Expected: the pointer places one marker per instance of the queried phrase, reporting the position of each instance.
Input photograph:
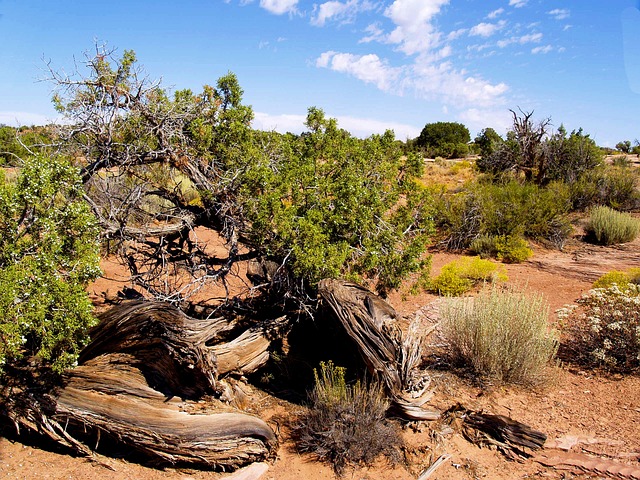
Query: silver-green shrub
(503, 334)
(610, 227)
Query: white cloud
(477, 119)
(445, 83)
(375, 33)
(456, 34)
(559, 13)
(280, 123)
(518, 3)
(16, 119)
(486, 29)
(414, 32)
(360, 127)
(364, 127)
(495, 13)
(529, 38)
(543, 50)
(428, 77)
(566, 27)
(368, 68)
(334, 10)
(279, 7)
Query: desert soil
(591, 419)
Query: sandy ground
(584, 412)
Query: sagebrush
(609, 227)
(502, 333)
(506, 248)
(461, 275)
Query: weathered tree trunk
(392, 357)
(135, 380)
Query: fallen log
(146, 363)
(388, 354)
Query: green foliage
(16, 143)
(621, 161)
(346, 424)
(446, 139)
(616, 187)
(610, 227)
(605, 332)
(624, 146)
(488, 141)
(616, 277)
(567, 159)
(49, 251)
(502, 335)
(331, 205)
(321, 204)
(510, 210)
(506, 248)
(460, 276)
(531, 152)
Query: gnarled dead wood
(388, 354)
(514, 439)
(135, 380)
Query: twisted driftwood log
(392, 357)
(143, 358)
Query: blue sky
(371, 64)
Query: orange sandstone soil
(586, 415)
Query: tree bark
(389, 355)
(137, 380)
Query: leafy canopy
(440, 133)
(321, 204)
(334, 205)
(49, 250)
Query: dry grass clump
(346, 424)
(502, 334)
(610, 227)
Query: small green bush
(619, 278)
(49, 252)
(461, 275)
(610, 227)
(621, 161)
(506, 248)
(606, 331)
(510, 210)
(502, 334)
(346, 424)
(608, 185)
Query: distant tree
(541, 158)
(624, 146)
(522, 153)
(444, 139)
(49, 251)
(487, 141)
(568, 158)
